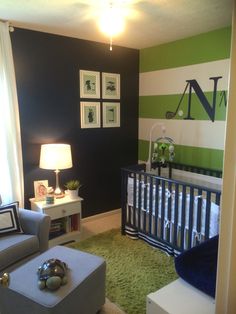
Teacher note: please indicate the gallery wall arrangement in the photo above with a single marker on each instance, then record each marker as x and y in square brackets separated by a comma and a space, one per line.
[90, 111]
[55, 108]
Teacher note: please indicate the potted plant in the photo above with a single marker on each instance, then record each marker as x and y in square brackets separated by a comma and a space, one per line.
[73, 188]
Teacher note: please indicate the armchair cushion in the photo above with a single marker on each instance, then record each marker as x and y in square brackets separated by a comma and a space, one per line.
[15, 247]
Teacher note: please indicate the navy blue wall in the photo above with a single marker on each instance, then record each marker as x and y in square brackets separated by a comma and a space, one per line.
[47, 74]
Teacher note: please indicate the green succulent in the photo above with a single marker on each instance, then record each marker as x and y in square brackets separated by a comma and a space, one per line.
[72, 185]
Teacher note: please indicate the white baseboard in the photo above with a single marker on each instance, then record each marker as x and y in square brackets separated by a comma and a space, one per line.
[102, 215]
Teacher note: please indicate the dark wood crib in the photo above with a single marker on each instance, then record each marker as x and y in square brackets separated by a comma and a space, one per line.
[172, 209]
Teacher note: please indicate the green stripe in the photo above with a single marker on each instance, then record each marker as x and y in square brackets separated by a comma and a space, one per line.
[201, 157]
[155, 107]
[205, 47]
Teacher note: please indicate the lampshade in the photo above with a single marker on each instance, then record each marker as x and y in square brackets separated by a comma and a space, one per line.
[55, 156]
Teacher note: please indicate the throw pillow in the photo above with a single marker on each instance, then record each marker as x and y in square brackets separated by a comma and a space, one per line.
[9, 220]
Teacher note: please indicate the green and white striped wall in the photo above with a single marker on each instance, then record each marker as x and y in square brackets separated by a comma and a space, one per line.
[164, 70]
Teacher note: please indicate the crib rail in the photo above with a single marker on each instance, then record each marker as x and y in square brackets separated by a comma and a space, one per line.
[167, 213]
[195, 169]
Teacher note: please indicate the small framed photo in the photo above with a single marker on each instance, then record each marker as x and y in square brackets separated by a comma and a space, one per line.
[110, 86]
[89, 84]
[90, 114]
[40, 189]
[111, 114]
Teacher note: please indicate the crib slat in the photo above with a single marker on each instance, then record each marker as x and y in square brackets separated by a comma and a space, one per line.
[208, 210]
[145, 203]
[157, 182]
[176, 213]
[199, 213]
[139, 201]
[134, 199]
[150, 206]
[131, 208]
[183, 213]
[162, 208]
[218, 194]
[169, 212]
[190, 218]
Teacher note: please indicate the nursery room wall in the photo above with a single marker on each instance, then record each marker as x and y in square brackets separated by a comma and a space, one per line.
[183, 84]
[47, 74]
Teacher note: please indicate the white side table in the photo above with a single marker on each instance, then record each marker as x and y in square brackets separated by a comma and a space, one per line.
[179, 297]
[65, 216]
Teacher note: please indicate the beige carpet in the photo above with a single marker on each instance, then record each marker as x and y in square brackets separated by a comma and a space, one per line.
[110, 308]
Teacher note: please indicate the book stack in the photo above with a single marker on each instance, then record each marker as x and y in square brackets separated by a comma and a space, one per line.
[57, 228]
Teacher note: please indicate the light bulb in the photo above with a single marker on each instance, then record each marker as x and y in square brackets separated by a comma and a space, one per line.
[112, 22]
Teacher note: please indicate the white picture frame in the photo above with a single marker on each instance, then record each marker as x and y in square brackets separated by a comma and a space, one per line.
[110, 85]
[90, 114]
[89, 84]
[40, 190]
[111, 114]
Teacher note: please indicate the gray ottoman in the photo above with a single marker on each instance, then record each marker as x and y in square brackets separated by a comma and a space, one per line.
[83, 294]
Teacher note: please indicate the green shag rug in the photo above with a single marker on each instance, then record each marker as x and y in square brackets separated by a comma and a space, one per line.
[134, 269]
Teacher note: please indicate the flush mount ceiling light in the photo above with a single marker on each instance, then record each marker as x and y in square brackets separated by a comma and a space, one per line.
[112, 21]
[111, 16]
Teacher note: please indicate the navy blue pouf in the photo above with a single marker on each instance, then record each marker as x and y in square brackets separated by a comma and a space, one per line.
[198, 266]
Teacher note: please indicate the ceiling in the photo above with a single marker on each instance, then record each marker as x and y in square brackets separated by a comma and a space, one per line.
[148, 23]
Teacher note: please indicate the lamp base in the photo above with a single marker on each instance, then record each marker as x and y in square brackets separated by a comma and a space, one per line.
[58, 193]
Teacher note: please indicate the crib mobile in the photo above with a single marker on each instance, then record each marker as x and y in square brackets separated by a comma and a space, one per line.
[163, 150]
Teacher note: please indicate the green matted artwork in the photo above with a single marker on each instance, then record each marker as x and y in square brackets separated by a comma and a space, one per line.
[89, 84]
[110, 86]
[111, 114]
[90, 115]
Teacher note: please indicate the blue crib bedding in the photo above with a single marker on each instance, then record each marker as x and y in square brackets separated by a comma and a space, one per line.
[198, 266]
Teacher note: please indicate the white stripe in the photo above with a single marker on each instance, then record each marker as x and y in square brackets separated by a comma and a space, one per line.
[197, 133]
[173, 81]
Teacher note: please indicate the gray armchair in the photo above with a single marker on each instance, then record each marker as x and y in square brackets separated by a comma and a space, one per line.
[15, 248]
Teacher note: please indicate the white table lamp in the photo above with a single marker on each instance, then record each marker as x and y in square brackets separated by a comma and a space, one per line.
[55, 157]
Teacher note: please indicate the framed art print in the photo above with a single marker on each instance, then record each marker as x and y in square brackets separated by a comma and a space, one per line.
[110, 86]
[40, 189]
[90, 114]
[89, 84]
[111, 114]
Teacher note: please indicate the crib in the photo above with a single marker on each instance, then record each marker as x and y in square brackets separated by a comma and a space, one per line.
[168, 208]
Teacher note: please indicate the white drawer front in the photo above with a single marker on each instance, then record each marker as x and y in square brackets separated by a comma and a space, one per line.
[63, 210]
